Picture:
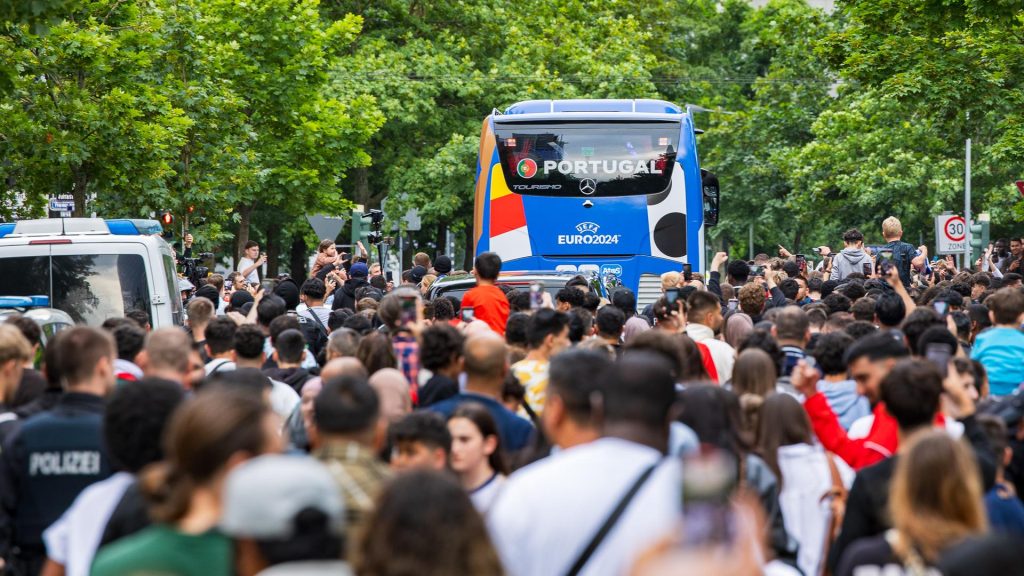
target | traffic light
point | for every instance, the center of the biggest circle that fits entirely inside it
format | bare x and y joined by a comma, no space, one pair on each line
979,236
167,220
360,229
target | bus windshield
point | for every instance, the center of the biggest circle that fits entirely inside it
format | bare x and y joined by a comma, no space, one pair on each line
596,159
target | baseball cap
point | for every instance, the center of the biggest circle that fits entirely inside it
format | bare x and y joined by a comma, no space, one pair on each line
263,496
184,285
359,270
417,273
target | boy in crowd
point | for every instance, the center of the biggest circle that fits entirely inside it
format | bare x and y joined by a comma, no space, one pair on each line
420,441
486,299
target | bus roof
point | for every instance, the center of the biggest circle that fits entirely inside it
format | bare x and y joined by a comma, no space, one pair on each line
641,106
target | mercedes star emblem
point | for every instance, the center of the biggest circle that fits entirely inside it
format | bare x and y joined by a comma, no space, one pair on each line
588,186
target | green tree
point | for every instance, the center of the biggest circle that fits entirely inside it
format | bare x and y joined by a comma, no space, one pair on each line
921,78
301,135
768,120
84,115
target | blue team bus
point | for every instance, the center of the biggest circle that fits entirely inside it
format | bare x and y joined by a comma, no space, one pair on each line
611,187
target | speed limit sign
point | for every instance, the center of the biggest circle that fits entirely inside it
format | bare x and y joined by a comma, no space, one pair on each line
951,233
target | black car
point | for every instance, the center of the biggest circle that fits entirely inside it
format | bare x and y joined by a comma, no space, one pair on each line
551,281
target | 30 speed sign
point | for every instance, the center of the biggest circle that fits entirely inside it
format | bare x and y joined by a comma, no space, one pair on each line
951,234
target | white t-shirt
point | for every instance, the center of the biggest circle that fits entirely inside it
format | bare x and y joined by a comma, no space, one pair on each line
807,477
322,312
722,354
483,497
243,263
73,539
219,365
547,512
283,399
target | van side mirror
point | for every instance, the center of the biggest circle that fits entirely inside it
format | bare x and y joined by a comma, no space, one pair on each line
709,185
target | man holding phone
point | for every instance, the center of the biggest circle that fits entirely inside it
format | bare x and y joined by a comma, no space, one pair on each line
251,261
401,312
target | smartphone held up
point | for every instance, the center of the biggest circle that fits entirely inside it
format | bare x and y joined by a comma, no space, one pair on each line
407,316
536,296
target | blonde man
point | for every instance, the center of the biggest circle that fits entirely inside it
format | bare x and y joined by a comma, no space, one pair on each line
670,280
15,352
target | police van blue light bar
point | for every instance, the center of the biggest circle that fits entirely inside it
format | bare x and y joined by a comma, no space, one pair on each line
134,227
38,301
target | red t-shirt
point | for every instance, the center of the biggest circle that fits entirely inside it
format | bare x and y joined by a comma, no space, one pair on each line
490,305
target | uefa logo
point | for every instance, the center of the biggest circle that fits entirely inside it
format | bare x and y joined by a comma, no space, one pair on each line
527,168
588,236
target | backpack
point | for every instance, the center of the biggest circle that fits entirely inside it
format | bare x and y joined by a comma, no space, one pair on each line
314,331
902,254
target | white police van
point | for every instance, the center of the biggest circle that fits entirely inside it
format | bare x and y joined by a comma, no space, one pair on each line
91,268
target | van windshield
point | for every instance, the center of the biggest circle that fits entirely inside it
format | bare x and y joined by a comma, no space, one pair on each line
89,287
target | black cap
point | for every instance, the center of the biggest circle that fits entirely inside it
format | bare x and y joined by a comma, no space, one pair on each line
417,273
443,264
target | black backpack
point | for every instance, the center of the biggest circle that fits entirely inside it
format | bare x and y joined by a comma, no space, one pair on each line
902,254
314,331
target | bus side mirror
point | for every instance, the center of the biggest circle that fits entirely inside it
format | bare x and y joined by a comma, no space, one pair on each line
709,185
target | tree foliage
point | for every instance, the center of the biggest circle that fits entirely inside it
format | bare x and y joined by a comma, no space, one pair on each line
85,115
258,112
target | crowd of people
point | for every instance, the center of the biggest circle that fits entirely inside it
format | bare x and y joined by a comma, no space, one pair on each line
858,416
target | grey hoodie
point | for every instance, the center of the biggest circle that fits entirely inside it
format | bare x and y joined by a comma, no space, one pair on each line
847,262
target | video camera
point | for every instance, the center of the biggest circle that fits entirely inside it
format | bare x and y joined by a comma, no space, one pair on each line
376,220
193,268
376,216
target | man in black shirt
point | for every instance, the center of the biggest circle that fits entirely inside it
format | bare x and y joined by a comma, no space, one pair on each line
56,454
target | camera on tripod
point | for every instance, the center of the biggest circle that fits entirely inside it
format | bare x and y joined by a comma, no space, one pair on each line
193,268
376,217
376,220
